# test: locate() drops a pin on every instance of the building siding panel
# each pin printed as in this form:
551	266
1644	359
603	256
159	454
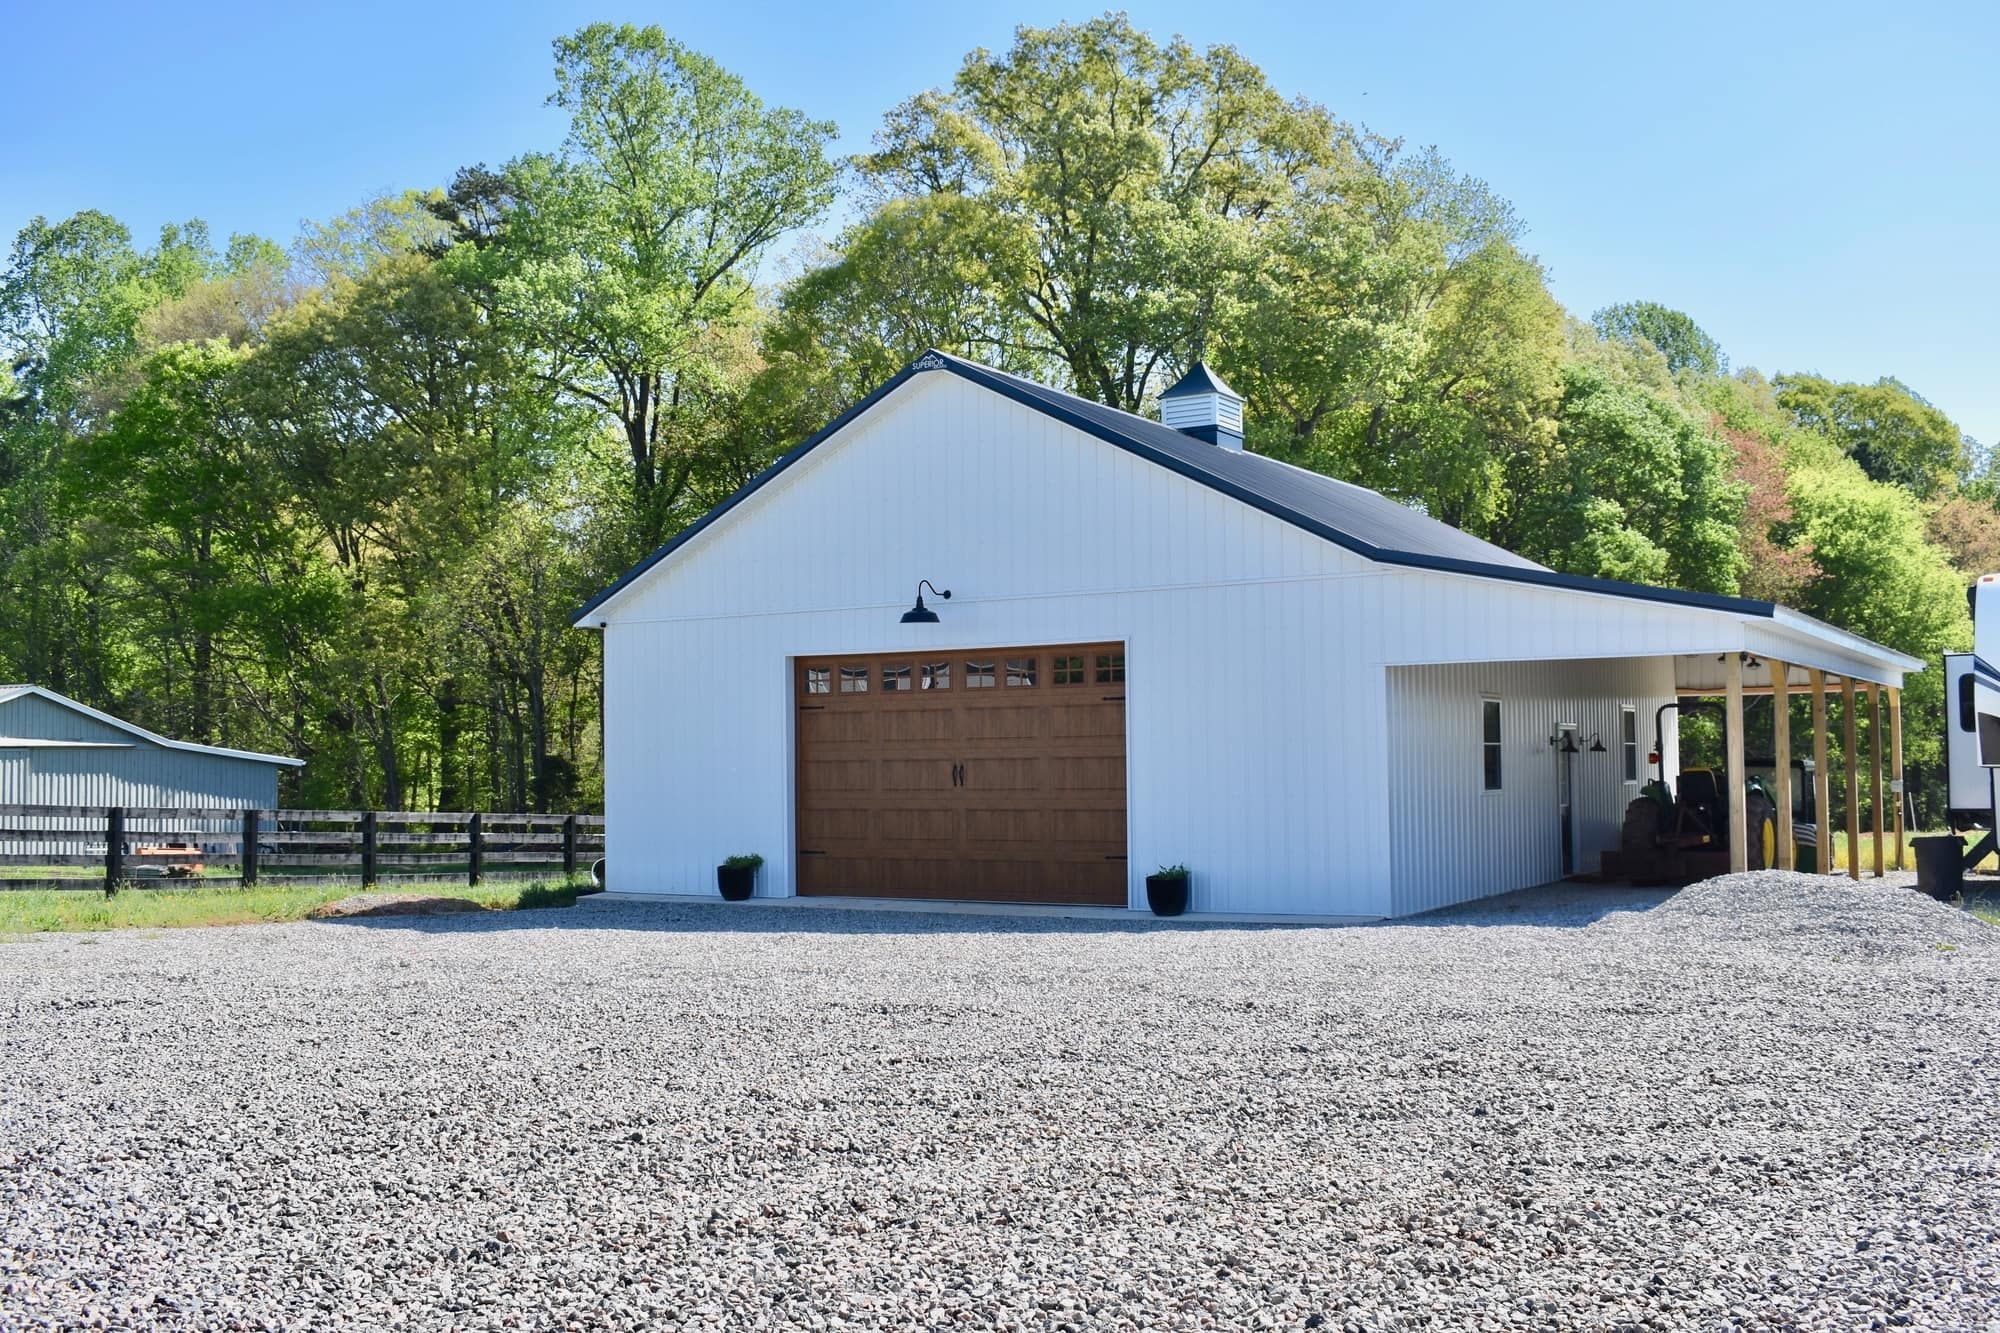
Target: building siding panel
1453	840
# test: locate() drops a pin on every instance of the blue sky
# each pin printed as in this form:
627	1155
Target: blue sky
1817	184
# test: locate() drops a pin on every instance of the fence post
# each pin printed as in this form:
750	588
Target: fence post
249	848
367	849
475	843
114	848
569	847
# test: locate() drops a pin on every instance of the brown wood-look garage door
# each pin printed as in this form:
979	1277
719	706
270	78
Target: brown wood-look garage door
996	775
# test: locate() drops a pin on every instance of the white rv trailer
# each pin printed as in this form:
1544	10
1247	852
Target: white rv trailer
1972	720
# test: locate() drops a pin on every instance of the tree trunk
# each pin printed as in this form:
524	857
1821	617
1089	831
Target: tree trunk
451	794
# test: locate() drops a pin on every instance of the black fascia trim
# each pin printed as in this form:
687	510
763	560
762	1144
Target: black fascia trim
1710	601
1019	392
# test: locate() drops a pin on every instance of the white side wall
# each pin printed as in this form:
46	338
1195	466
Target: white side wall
1452	840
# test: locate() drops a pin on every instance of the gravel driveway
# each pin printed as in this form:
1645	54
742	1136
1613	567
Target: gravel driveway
1770	1102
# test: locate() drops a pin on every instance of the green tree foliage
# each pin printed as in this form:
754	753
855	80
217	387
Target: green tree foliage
1105	189
627	258
1675	336
1893	434
1635	489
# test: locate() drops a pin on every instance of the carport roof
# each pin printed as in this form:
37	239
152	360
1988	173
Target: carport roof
1355	518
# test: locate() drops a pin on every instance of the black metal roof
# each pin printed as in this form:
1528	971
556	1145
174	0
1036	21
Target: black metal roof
1360	520
1200	380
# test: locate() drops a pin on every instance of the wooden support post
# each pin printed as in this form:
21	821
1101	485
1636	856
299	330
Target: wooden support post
1732	725
1875	770
475	846
1853	767
1896	767
114	849
1781	752
1822	794
367	848
249	848
569	847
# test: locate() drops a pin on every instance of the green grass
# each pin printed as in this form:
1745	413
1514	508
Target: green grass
32	911
1867	849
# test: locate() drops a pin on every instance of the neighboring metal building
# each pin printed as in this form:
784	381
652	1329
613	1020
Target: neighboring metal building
1159	648
56	751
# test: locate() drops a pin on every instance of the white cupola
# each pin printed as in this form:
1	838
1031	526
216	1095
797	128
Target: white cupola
1203	406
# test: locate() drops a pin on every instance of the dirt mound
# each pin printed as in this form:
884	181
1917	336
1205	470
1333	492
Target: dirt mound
394	904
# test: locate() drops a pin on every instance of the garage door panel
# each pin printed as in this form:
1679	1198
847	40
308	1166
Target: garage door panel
913	775
1010	721
888	827
1088	773
909	725
952	789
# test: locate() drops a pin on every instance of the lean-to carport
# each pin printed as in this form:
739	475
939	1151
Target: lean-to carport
1854	673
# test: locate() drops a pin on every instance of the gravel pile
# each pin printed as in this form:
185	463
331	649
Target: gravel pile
1760	1105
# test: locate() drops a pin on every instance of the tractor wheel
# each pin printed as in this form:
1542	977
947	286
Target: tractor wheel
1761	819
1641	832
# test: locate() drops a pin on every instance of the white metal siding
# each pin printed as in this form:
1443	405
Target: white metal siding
1453	841
1247	698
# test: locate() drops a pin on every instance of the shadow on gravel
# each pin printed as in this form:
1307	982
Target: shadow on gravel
1557	906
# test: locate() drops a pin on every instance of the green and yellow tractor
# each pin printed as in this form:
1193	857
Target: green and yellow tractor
1680	833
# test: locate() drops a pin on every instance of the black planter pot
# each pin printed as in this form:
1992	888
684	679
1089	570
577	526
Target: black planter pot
736	882
1167	895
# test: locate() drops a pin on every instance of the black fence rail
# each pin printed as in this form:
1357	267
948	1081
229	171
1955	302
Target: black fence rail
157	845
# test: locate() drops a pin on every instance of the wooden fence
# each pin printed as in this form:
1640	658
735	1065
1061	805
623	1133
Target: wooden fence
160	846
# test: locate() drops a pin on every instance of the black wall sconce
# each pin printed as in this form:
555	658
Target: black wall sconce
921	614
1565	740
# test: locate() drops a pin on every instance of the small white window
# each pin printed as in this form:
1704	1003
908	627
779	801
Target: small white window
1489	741
1628	740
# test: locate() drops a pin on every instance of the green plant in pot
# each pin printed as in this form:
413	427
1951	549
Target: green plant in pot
737	877
1167	890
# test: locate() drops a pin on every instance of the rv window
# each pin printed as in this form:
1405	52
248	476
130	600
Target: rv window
1966	713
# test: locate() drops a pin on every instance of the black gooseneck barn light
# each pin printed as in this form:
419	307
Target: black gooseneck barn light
921	614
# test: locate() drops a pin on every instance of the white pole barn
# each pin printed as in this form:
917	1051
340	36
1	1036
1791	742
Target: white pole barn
1159	648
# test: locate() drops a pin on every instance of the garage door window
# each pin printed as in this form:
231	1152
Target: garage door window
937	675
854	680
819	680
1110	668
1020	671
895	678
1068	670
979	675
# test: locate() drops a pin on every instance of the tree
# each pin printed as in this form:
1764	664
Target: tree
1635	489
1892	433
1111	187
1671	333
177	498
624	257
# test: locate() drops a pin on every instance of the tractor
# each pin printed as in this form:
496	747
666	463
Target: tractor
1681	833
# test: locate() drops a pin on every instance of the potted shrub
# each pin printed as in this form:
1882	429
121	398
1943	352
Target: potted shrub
737	877
1167	890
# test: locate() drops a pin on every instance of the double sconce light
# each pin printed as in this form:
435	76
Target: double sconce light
1564	741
